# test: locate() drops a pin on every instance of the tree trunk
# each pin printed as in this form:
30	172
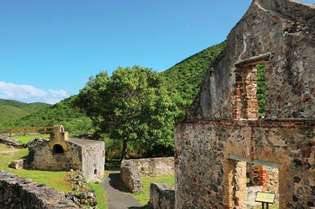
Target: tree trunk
124	150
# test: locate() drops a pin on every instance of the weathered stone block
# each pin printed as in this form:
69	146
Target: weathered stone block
18	193
130	176
17	164
162	196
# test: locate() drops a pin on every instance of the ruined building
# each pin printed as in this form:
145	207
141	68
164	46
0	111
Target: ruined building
225	131
63	153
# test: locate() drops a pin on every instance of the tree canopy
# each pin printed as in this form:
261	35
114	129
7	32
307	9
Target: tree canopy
133	105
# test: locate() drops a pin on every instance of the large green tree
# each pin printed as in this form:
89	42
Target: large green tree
133	106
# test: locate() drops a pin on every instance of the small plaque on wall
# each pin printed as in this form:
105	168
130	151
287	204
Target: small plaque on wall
265	197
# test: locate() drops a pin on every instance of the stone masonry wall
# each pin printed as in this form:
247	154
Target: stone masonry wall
42	158
162	197
93	160
283	29
18	193
154	166
204	170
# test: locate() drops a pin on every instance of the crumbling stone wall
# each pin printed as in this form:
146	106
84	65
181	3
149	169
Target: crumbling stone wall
131	170
42	158
282	29
162	197
205	170
64	153
222	126
93	159
130	176
18	193
154	166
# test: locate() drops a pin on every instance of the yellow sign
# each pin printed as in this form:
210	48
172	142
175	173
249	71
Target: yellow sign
267	197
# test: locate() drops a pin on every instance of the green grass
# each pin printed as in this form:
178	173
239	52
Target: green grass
101	196
56	180
27	138
144	196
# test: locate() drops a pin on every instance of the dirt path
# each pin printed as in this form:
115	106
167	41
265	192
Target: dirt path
118	198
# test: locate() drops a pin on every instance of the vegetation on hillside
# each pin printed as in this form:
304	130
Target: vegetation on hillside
64	112
134	104
186	76
11	111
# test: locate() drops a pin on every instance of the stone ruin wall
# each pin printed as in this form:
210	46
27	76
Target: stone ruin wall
18	193
162	197
205	174
286	31
281	35
41	157
93	161
132	170
154	166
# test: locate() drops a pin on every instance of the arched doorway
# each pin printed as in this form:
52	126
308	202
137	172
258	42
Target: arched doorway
58	149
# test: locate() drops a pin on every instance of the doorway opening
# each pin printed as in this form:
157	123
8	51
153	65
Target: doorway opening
58	149
248	178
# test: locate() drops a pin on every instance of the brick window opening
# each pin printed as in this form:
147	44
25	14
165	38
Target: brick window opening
250	92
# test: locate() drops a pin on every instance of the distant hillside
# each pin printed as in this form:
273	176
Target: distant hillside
11	110
64	113
187	75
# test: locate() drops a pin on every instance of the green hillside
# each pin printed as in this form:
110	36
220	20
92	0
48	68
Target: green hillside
64	113
13	110
185	77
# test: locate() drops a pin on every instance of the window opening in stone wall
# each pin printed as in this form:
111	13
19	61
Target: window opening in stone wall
250	92
95	171
249	178
261	90
57	149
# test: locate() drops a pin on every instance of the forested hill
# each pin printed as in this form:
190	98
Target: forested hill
64	113
185	77
11	110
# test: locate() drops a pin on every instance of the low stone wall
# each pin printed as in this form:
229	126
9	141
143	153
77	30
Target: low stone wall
131	170
18	193
162	197
153	166
5	139
130	176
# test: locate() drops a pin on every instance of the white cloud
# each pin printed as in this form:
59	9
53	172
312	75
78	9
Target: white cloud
28	93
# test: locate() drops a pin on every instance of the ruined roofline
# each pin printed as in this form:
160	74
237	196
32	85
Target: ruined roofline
266	123
264	5
311	5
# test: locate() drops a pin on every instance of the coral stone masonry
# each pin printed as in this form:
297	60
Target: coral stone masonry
223	134
64	153
18	193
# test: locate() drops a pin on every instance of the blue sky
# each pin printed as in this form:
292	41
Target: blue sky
51	48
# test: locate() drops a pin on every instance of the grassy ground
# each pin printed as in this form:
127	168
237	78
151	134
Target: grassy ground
53	179
27	138
56	180
144	196
101	195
